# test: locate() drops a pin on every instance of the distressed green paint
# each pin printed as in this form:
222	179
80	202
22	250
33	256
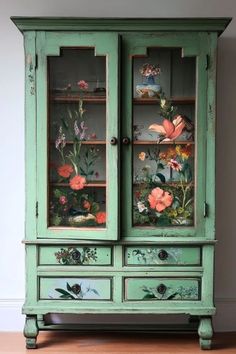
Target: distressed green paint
196	45
119	279
121	24
105	44
162	289
47	255
151	256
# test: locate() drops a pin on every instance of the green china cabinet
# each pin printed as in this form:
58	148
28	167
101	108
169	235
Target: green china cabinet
120	168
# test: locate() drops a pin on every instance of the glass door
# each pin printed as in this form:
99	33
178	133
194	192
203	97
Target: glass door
78	124
165	127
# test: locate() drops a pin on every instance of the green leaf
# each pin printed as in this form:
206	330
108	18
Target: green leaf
172	296
58	193
62	291
68	287
65	124
95	291
161	177
67	297
95	208
160	166
149	296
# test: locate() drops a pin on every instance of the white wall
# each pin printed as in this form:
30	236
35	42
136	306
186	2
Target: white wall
12	139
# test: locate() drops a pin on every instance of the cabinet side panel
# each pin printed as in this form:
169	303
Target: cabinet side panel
30	134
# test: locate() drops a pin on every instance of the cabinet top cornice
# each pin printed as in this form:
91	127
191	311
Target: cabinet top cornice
121	24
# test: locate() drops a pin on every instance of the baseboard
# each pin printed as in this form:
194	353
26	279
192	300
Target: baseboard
11	319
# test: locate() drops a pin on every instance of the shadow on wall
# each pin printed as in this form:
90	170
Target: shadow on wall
225	285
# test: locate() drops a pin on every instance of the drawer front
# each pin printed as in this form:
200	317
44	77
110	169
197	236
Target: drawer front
75	255
75	288
170	289
162	255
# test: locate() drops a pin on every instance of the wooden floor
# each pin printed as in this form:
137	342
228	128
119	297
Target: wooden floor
73	342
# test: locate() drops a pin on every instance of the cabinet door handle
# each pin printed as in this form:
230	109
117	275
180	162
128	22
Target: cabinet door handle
163	255
113	141
126	140
161	289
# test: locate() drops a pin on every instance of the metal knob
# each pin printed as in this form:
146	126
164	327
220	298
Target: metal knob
126	140
163	255
161	289
113	141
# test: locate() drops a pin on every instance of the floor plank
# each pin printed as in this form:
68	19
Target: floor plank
114	343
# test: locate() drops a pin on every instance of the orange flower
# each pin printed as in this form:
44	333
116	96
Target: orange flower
169	130
142	156
65	170
101	217
77	182
160	199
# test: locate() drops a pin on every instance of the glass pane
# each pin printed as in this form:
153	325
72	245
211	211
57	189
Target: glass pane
163	138
77	140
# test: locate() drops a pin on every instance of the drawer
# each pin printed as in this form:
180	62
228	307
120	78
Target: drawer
75	255
162	255
158	288
75	288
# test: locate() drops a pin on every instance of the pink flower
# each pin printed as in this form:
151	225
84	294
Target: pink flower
175	165
170	130
77	182
63	200
83	85
160	199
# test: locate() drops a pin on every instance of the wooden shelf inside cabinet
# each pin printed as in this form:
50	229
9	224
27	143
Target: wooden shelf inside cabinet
149	142
74	98
174	100
91	184
85	142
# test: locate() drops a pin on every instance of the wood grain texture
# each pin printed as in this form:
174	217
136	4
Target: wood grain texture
86	343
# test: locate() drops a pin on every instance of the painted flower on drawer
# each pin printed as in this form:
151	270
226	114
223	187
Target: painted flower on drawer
75	291
163	292
73	256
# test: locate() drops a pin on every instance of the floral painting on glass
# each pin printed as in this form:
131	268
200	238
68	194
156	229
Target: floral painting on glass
163	167
77	194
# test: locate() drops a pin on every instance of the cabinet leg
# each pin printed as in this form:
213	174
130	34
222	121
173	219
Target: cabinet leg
205	332
31	331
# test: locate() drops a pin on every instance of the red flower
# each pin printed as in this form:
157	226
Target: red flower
65	170
86	205
83	85
63	200
77	182
160	199
101	217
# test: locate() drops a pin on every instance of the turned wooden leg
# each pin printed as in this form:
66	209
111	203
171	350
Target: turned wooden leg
205	332
31	331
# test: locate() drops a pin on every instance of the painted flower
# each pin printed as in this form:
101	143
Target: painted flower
77	182
175	165
184	152
63	200
86	204
83	85
65	170
101	217
142	156
168	154
160	199
169	130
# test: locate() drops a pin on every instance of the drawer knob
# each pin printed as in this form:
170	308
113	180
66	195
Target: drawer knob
163	255
126	140
75	255
113	141
161	289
